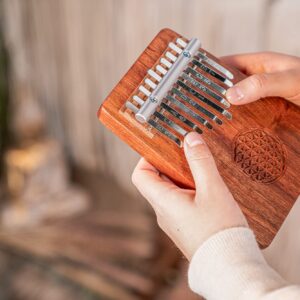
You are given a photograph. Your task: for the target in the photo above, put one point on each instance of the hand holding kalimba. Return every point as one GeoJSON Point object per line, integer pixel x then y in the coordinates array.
{"type": "Point", "coordinates": [190, 217]}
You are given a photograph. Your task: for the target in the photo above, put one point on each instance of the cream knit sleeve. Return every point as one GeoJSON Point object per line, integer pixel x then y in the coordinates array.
{"type": "Point", "coordinates": [230, 265]}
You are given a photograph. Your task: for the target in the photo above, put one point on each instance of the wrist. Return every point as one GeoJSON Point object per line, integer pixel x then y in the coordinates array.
{"type": "Point", "coordinates": [232, 261]}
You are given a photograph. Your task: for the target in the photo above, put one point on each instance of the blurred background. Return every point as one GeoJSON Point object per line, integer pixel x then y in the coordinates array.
{"type": "Point", "coordinates": [72, 225]}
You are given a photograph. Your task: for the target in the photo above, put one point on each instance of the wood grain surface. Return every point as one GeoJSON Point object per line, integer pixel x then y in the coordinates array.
{"type": "Point", "coordinates": [267, 125]}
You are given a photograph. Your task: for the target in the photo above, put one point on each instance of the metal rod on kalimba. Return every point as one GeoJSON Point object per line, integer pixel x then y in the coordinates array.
{"type": "Point", "coordinates": [179, 78]}
{"type": "Point", "coordinates": [156, 97]}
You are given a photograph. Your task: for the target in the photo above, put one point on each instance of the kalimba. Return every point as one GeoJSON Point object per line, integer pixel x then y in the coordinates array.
{"type": "Point", "coordinates": [176, 86]}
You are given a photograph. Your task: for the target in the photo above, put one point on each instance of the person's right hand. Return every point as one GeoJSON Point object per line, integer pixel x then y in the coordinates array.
{"type": "Point", "coordinates": [271, 74]}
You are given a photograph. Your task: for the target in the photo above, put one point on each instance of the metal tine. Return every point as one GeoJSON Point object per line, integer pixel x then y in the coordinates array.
{"type": "Point", "coordinates": [131, 106]}
{"type": "Point", "coordinates": [170, 123]}
{"type": "Point", "coordinates": [204, 57]}
{"type": "Point", "coordinates": [181, 42]}
{"type": "Point", "coordinates": [150, 83]}
{"type": "Point", "coordinates": [215, 64]}
{"type": "Point", "coordinates": [171, 56]}
{"type": "Point", "coordinates": [166, 63]}
{"type": "Point", "coordinates": [165, 132]}
{"type": "Point", "coordinates": [204, 99]}
{"type": "Point", "coordinates": [154, 75]}
{"type": "Point", "coordinates": [204, 79]}
{"type": "Point", "coordinates": [211, 72]}
{"type": "Point", "coordinates": [160, 69]}
{"type": "Point", "coordinates": [175, 48]}
{"type": "Point", "coordinates": [189, 111]}
{"type": "Point", "coordinates": [144, 90]}
{"type": "Point", "coordinates": [198, 96]}
{"type": "Point", "coordinates": [180, 117]}
{"type": "Point", "coordinates": [138, 100]}
{"type": "Point", "coordinates": [168, 80]}
{"type": "Point", "coordinates": [196, 105]}
{"type": "Point", "coordinates": [206, 90]}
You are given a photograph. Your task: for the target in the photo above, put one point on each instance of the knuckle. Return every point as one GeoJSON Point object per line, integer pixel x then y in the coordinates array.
{"type": "Point", "coordinates": [258, 81]}
{"type": "Point", "coordinates": [134, 177]}
{"type": "Point", "coordinates": [163, 207]}
{"type": "Point", "coordinates": [159, 222]}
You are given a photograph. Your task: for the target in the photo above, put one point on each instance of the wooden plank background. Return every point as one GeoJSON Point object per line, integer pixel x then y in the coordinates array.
{"type": "Point", "coordinates": [70, 54]}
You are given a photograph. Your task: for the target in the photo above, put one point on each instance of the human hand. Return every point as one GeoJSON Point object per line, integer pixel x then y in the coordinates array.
{"type": "Point", "coordinates": [189, 217]}
{"type": "Point", "coordinates": [271, 74]}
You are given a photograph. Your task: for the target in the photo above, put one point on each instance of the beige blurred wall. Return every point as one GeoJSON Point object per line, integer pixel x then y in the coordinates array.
{"type": "Point", "coordinates": [71, 53]}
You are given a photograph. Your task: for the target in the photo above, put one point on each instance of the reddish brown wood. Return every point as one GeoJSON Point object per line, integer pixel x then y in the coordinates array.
{"type": "Point", "coordinates": [273, 122]}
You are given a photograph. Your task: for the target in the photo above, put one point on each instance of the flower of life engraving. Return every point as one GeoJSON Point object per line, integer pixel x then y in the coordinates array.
{"type": "Point", "coordinates": [260, 155]}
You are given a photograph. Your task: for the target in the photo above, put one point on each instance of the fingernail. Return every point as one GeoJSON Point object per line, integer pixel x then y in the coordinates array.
{"type": "Point", "coordinates": [234, 94]}
{"type": "Point", "coordinates": [193, 139]}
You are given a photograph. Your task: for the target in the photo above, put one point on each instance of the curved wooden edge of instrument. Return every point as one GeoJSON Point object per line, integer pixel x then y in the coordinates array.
{"type": "Point", "coordinates": [151, 150]}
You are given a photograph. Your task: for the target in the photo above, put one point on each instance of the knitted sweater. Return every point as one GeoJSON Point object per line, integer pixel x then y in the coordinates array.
{"type": "Point", "coordinates": [230, 265]}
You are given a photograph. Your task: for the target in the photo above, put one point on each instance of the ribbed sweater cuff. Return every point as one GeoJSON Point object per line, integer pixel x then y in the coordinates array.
{"type": "Point", "coordinates": [230, 265]}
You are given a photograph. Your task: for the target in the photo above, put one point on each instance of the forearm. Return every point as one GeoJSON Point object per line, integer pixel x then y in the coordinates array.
{"type": "Point", "coordinates": [229, 265]}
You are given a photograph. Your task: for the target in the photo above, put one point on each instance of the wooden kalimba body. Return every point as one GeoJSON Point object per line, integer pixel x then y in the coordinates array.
{"type": "Point", "coordinates": [175, 87]}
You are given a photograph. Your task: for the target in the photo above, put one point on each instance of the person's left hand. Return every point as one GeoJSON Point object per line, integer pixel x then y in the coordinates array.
{"type": "Point", "coordinates": [190, 217]}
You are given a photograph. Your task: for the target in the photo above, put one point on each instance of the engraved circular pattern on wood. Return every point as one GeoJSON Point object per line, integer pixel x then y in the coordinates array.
{"type": "Point", "coordinates": [260, 155]}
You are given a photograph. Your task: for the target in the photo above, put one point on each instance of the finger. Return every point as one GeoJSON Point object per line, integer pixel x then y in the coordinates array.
{"type": "Point", "coordinates": [247, 63]}
{"type": "Point", "coordinates": [144, 165]}
{"type": "Point", "coordinates": [261, 62]}
{"type": "Point", "coordinates": [201, 161]}
{"type": "Point", "coordinates": [147, 180]}
{"type": "Point", "coordinates": [281, 84]}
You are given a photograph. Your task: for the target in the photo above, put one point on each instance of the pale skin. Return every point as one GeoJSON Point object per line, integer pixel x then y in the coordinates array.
{"type": "Point", "coordinates": [189, 217]}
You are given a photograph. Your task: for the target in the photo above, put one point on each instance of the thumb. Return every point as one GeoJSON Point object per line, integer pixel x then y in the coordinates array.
{"type": "Point", "coordinates": [281, 84]}
{"type": "Point", "coordinates": [201, 161]}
